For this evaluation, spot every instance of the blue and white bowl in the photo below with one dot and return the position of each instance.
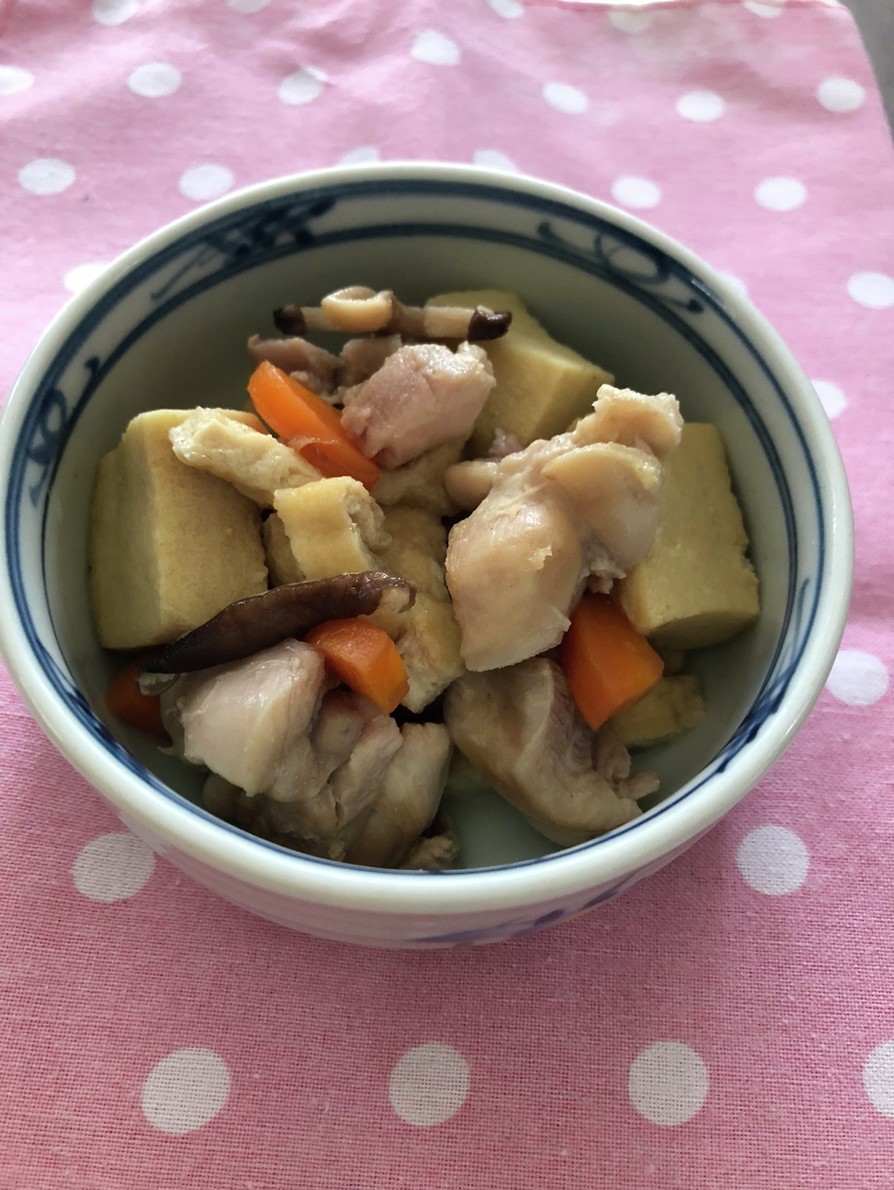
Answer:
(166, 326)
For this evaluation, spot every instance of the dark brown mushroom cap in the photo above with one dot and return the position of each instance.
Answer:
(261, 621)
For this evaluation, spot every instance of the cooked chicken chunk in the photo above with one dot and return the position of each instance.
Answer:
(519, 726)
(361, 357)
(422, 396)
(561, 513)
(315, 367)
(408, 800)
(267, 726)
(249, 720)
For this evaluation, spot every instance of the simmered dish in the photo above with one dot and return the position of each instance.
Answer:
(440, 540)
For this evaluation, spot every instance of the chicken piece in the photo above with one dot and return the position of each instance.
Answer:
(334, 527)
(340, 777)
(315, 367)
(421, 482)
(255, 463)
(247, 720)
(615, 488)
(647, 421)
(433, 853)
(515, 567)
(541, 385)
(467, 483)
(519, 727)
(361, 357)
(422, 396)
(408, 801)
(378, 788)
(562, 513)
(427, 634)
(306, 762)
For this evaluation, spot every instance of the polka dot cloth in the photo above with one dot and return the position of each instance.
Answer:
(728, 1021)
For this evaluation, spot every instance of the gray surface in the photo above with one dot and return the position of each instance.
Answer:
(876, 21)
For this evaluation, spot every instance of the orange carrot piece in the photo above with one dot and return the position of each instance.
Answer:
(313, 428)
(364, 657)
(127, 702)
(607, 662)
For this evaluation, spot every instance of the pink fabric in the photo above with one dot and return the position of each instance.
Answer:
(727, 1023)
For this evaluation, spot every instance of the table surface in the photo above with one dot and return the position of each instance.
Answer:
(728, 1022)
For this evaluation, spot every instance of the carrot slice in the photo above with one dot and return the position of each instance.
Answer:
(127, 702)
(607, 662)
(364, 657)
(313, 428)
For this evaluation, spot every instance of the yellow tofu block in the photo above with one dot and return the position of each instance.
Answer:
(281, 563)
(429, 648)
(673, 705)
(542, 385)
(421, 481)
(417, 549)
(334, 526)
(427, 634)
(169, 545)
(695, 587)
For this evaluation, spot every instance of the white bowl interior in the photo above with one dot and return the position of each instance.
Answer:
(172, 333)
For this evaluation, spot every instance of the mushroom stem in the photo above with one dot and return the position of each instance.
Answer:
(360, 310)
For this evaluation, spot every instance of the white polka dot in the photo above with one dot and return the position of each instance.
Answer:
(701, 106)
(510, 9)
(838, 94)
(736, 282)
(763, 10)
(185, 1090)
(878, 1078)
(780, 194)
(494, 159)
(565, 98)
(247, 5)
(668, 1082)
(46, 175)
(636, 192)
(857, 678)
(428, 1084)
(630, 22)
(202, 182)
(112, 867)
(773, 860)
(831, 397)
(81, 275)
(114, 12)
(303, 86)
(360, 156)
(435, 48)
(14, 79)
(875, 291)
(154, 80)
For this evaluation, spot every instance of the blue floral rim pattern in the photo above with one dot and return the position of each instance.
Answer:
(287, 226)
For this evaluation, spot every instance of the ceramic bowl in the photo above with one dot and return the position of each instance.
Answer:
(166, 325)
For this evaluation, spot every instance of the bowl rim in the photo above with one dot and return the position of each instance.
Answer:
(177, 825)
